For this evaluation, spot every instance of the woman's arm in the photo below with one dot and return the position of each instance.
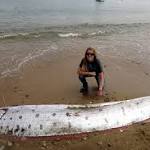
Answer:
(101, 83)
(80, 71)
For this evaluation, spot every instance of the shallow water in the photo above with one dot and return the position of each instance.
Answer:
(31, 29)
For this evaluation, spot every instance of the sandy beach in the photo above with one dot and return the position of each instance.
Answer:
(57, 82)
(44, 82)
(41, 46)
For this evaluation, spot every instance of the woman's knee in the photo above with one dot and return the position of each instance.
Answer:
(81, 77)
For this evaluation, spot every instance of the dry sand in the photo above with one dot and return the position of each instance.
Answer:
(46, 82)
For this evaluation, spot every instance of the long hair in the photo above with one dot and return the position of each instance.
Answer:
(91, 49)
(85, 61)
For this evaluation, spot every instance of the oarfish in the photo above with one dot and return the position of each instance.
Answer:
(60, 120)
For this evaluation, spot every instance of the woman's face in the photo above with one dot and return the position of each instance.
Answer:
(90, 55)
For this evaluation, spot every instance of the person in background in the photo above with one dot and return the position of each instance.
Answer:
(90, 66)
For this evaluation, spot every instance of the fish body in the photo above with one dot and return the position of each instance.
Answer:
(59, 120)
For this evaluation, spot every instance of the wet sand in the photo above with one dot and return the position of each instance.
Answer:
(56, 82)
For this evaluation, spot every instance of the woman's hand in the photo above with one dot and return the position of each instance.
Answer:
(92, 74)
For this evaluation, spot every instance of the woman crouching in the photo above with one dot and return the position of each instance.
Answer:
(90, 66)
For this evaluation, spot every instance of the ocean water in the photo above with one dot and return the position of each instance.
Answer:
(21, 14)
(33, 29)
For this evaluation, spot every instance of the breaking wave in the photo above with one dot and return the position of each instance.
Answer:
(81, 31)
(69, 35)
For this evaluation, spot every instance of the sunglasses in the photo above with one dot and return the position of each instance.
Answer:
(90, 54)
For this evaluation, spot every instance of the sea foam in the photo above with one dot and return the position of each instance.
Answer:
(69, 35)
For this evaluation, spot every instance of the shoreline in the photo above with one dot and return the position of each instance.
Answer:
(57, 82)
(46, 82)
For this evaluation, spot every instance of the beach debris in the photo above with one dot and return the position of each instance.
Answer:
(2, 147)
(4, 101)
(68, 142)
(15, 88)
(84, 138)
(121, 130)
(105, 66)
(109, 145)
(99, 143)
(107, 99)
(54, 143)
(143, 123)
(142, 132)
(9, 143)
(146, 73)
(44, 145)
(27, 96)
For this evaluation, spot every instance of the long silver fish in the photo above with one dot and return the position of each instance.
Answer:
(60, 120)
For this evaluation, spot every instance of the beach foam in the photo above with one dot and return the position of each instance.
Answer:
(69, 35)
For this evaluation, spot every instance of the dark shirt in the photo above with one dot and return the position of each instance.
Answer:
(94, 66)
